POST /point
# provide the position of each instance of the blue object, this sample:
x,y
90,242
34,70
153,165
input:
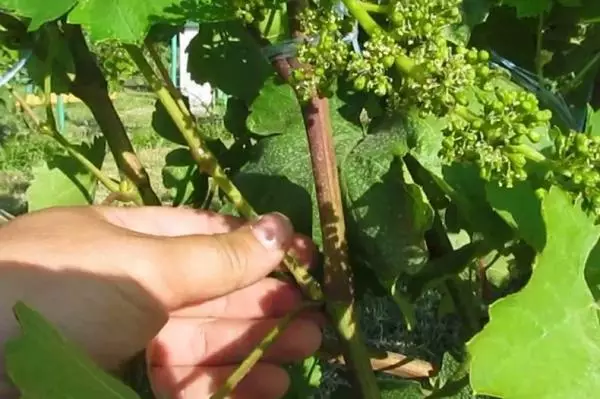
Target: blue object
x,y
60,110
174,59
14,70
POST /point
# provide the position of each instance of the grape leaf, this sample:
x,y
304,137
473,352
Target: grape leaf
x,y
163,124
460,182
278,176
389,215
521,209
201,11
451,381
593,122
181,177
305,378
62,180
544,341
226,56
125,20
42,364
39,11
476,11
275,96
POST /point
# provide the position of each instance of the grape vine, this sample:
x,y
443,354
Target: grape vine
x,y
429,160
408,59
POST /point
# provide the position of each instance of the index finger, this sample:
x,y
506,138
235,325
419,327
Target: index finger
x,y
168,221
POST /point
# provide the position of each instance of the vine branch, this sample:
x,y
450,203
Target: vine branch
x,y
257,353
338,284
48,129
209,164
91,87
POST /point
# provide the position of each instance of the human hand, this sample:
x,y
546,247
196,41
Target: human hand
x,y
188,285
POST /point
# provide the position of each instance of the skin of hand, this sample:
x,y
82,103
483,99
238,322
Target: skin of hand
x,y
189,286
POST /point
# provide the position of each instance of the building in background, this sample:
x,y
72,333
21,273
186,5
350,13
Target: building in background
x,y
200,96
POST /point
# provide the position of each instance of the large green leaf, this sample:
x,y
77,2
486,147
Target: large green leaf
x,y
39,11
126,20
278,176
226,56
63,181
43,364
389,215
275,110
544,341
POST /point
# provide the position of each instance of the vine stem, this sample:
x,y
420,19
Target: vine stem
x,y
91,87
338,284
576,81
48,130
209,164
539,67
374,8
257,353
166,78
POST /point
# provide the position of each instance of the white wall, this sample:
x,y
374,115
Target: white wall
x,y
200,96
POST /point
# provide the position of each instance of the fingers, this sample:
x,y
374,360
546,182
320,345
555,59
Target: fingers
x,y
168,221
267,298
264,381
187,342
202,267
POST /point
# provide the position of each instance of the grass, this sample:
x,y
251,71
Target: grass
x,y
21,149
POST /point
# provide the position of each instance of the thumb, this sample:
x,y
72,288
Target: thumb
x,y
197,268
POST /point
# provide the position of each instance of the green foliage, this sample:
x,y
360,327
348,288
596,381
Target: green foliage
x,y
21,152
226,56
63,181
534,8
38,11
389,233
466,150
551,325
43,364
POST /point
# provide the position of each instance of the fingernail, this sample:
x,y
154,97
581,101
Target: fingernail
x,y
274,231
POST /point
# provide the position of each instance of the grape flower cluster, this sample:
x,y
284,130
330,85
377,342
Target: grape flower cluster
x,y
368,70
324,55
251,11
579,167
494,142
417,21
411,60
